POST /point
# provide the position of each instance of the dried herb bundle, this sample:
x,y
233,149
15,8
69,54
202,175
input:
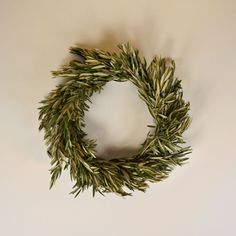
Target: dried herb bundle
x,y
62,118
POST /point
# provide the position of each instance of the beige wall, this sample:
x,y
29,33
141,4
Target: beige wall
x,y
199,198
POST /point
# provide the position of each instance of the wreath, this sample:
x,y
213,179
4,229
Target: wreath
x,y
61,116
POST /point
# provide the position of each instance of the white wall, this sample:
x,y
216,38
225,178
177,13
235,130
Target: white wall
x,y
197,199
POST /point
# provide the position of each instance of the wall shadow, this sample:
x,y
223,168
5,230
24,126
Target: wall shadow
x,y
112,152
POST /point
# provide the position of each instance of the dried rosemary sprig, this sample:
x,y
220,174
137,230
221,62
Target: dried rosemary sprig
x,y
62,118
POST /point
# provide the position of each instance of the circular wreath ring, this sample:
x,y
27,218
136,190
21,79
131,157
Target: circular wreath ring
x,y
62,118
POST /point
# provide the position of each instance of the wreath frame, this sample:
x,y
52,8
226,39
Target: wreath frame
x,y
61,116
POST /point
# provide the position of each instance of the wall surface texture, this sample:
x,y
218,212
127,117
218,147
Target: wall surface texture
x,y
198,198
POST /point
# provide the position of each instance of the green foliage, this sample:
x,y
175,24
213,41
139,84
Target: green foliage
x,y
62,118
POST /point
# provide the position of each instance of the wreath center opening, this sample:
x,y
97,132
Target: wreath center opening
x,y
118,120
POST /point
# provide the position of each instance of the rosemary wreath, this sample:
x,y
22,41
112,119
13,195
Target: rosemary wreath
x,y
62,118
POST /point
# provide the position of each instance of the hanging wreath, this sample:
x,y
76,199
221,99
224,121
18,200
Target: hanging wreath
x,y
62,118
